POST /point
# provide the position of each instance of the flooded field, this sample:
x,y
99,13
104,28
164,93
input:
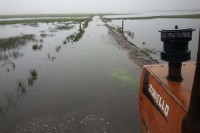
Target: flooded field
x,y
145,33
55,81
73,77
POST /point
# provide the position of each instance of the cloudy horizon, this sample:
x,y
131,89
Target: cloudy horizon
x,y
91,6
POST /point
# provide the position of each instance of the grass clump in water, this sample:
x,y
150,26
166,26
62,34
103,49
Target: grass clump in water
x,y
37,47
33,77
32,21
21,87
64,27
131,34
15,42
64,42
58,48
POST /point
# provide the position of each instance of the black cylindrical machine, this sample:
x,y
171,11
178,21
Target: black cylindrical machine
x,y
175,50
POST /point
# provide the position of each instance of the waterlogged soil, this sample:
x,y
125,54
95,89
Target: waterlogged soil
x,y
139,56
86,86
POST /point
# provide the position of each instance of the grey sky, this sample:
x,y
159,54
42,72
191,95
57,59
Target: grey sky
x,y
93,6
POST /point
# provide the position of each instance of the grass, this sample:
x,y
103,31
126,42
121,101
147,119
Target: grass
x,y
151,50
33,73
191,16
44,15
64,27
29,21
70,38
5,56
74,37
37,47
78,36
119,29
85,25
58,48
131,34
64,42
33,77
21,87
15,42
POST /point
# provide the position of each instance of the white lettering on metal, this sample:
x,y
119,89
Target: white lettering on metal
x,y
159,100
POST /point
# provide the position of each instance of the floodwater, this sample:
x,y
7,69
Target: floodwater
x,y
147,35
84,87
147,14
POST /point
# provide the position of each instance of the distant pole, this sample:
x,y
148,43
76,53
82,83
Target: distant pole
x,y
80,26
123,26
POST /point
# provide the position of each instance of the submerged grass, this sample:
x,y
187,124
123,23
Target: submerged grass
x,y
33,77
43,15
37,47
64,27
15,42
21,88
58,48
5,56
29,21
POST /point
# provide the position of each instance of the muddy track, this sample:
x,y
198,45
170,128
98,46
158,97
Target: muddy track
x,y
139,56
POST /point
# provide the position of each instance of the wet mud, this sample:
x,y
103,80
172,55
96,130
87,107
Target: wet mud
x,y
137,55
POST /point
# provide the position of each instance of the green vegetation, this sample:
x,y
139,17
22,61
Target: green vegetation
x,y
37,47
78,36
74,37
21,88
192,16
5,56
131,34
15,42
44,15
70,38
33,77
85,25
64,42
29,21
64,27
58,48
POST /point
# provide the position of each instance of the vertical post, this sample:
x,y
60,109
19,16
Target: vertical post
x,y
80,26
191,122
122,26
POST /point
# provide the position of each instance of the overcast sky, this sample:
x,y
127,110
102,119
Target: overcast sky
x,y
93,6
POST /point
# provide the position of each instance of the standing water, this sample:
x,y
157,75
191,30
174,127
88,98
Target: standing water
x,y
84,86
